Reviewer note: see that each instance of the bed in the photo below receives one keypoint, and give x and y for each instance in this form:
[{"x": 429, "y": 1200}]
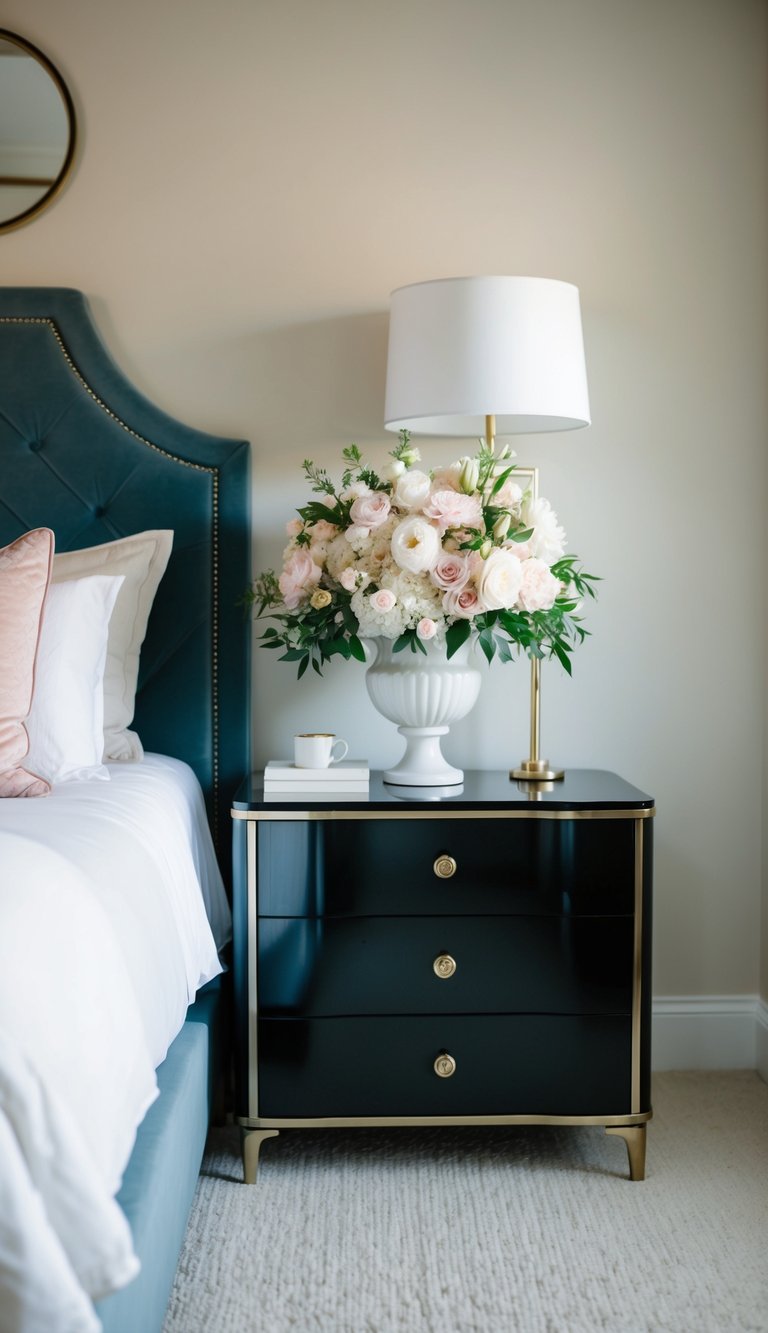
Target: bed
[{"x": 84, "y": 454}]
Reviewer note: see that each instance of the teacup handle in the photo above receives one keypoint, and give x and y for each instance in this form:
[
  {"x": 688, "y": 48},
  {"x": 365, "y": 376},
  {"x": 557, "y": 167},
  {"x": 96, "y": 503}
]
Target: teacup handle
[{"x": 337, "y": 758}]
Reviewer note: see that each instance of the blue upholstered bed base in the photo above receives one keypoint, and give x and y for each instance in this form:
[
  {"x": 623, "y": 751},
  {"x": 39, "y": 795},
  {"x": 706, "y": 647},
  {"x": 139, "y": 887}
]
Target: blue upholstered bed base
[
  {"x": 85, "y": 453},
  {"x": 159, "y": 1184}
]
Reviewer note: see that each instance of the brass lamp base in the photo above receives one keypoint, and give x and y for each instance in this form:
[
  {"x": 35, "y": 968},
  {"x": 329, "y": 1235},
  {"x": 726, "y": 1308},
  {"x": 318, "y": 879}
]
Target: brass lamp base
[{"x": 537, "y": 770}]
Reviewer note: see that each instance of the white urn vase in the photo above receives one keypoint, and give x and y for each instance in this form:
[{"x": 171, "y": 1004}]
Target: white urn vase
[{"x": 423, "y": 696}]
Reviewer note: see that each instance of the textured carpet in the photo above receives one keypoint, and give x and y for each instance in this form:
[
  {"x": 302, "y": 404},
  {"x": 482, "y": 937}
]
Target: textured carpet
[{"x": 464, "y": 1230}]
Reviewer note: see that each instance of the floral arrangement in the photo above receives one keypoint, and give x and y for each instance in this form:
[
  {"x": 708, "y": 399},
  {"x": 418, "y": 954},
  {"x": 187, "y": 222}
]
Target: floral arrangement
[{"x": 415, "y": 556}]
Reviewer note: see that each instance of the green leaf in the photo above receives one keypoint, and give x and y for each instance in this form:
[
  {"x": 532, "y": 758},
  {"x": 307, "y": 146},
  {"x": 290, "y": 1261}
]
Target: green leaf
[
  {"x": 500, "y": 480},
  {"x": 293, "y": 655},
  {"x": 356, "y": 648},
  {"x": 523, "y": 536},
  {"x": 562, "y": 656},
  {"x": 338, "y": 645},
  {"x": 456, "y": 635},
  {"x": 487, "y": 643},
  {"x": 302, "y": 666},
  {"x": 416, "y": 643},
  {"x": 402, "y": 642}
]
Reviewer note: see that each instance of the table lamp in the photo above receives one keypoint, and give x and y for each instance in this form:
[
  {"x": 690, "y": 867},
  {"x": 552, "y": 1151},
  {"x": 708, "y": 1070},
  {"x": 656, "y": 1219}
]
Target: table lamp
[{"x": 479, "y": 355}]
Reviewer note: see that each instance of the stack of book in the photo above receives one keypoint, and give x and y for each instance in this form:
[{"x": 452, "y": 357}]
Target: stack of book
[{"x": 282, "y": 778}]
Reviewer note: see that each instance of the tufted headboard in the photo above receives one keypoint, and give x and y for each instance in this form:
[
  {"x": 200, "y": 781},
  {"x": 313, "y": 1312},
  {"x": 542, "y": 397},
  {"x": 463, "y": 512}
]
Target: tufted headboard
[{"x": 84, "y": 453}]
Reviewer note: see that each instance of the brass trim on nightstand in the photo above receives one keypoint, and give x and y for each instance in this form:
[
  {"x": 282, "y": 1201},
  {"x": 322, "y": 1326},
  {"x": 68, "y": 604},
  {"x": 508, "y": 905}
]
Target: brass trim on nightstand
[
  {"x": 253, "y": 979},
  {"x": 637, "y": 979},
  {"x": 446, "y": 813},
  {"x": 399, "y": 1121}
]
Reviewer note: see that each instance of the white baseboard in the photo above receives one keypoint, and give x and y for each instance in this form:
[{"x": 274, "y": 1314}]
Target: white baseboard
[
  {"x": 710, "y": 1032},
  {"x": 761, "y": 1024}
]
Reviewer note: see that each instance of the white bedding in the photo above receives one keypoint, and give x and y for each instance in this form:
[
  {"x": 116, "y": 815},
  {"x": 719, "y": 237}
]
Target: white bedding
[{"x": 112, "y": 912}]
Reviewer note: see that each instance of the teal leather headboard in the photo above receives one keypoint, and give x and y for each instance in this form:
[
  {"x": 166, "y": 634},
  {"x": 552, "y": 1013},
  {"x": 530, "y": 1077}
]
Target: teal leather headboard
[{"x": 84, "y": 453}]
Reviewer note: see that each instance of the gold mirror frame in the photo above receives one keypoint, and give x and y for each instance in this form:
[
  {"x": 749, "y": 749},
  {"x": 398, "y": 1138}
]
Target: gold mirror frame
[{"x": 19, "y": 219}]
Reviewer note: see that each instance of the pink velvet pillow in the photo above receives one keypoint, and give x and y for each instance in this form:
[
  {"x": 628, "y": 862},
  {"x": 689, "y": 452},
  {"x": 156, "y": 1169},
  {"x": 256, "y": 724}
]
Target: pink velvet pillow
[{"x": 25, "y": 571}]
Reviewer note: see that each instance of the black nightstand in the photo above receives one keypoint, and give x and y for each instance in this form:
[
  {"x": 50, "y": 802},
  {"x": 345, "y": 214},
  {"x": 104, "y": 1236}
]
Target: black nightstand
[{"x": 483, "y": 958}]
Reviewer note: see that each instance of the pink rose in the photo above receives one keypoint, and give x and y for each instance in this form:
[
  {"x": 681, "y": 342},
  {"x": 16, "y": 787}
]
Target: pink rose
[
  {"x": 539, "y": 587},
  {"x": 383, "y": 600},
  {"x": 348, "y": 579},
  {"x": 300, "y": 575},
  {"x": 426, "y": 629},
  {"x": 463, "y": 603},
  {"x": 293, "y": 527},
  {"x": 370, "y": 511},
  {"x": 322, "y": 530},
  {"x": 451, "y": 571},
  {"x": 451, "y": 509}
]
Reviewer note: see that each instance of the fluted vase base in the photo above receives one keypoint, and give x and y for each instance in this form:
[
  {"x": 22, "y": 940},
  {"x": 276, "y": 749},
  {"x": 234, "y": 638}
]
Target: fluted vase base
[
  {"x": 423, "y": 694},
  {"x": 423, "y": 764}
]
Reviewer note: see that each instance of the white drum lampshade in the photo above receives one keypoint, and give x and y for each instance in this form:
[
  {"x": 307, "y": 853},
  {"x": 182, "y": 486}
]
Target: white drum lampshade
[{"x": 464, "y": 349}]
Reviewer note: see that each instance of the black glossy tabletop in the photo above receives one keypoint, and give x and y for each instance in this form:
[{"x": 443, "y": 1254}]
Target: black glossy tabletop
[{"x": 581, "y": 788}]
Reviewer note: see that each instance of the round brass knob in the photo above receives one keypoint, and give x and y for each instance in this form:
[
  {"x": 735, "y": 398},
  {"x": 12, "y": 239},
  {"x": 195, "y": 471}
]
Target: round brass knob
[
  {"x": 444, "y": 966},
  {"x": 444, "y": 866},
  {"x": 444, "y": 1065}
]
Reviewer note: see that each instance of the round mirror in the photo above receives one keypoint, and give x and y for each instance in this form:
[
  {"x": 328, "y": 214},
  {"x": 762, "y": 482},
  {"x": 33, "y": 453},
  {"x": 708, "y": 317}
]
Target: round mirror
[{"x": 37, "y": 131}]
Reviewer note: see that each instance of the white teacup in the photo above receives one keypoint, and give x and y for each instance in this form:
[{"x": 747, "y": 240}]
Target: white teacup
[{"x": 315, "y": 749}]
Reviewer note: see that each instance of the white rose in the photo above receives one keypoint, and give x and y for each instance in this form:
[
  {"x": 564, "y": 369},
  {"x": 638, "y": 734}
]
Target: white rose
[
  {"x": 392, "y": 470},
  {"x": 498, "y": 581},
  {"x": 411, "y": 490},
  {"x": 415, "y": 545}
]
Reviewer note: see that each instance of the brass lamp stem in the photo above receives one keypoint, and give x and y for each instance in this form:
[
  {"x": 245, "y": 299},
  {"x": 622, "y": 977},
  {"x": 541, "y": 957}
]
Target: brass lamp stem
[
  {"x": 535, "y": 702},
  {"x": 535, "y": 769},
  {"x": 490, "y": 432}
]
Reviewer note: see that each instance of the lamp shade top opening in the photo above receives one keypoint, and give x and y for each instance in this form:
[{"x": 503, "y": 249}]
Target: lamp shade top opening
[{"x": 462, "y": 349}]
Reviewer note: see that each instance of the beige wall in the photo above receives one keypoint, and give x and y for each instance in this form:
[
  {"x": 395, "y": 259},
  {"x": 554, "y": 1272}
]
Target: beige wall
[{"x": 255, "y": 176}]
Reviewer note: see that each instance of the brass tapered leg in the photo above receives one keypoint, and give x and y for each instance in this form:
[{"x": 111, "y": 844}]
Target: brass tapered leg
[
  {"x": 634, "y": 1137},
  {"x": 252, "y": 1140}
]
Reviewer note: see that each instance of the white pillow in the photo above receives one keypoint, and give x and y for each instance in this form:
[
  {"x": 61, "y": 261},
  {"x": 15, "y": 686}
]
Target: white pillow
[
  {"x": 66, "y": 720},
  {"x": 142, "y": 560}
]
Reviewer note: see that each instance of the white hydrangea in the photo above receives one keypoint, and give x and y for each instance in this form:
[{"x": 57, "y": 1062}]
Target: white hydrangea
[
  {"x": 416, "y": 595},
  {"x": 373, "y": 623},
  {"x": 548, "y": 540},
  {"x": 359, "y": 539},
  {"x": 339, "y": 556},
  {"x": 355, "y": 490}
]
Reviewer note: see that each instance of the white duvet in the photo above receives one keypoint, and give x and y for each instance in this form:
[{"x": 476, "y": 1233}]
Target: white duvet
[{"x": 112, "y": 912}]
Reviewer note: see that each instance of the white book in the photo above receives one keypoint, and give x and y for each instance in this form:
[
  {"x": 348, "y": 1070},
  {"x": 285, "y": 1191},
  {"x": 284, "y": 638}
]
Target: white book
[
  {"x": 348, "y": 784},
  {"x": 283, "y": 770},
  {"x": 318, "y": 793}
]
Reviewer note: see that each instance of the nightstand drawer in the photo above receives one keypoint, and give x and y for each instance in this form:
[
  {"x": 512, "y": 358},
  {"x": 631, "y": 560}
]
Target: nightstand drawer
[
  {"x": 371, "y": 867},
  {"x": 529, "y": 1065},
  {"x": 455, "y": 964}
]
